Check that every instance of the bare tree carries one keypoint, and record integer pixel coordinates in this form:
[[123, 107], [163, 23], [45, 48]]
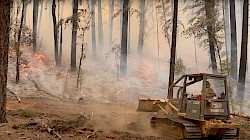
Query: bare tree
[[61, 33], [173, 50], [40, 18], [141, 28], [111, 12], [243, 56], [74, 35], [233, 40], [5, 7], [92, 3], [123, 59], [55, 31], [35, 15], [100, 26], [19, 42]]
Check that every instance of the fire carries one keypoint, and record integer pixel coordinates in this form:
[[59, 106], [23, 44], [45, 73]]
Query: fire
[[40, 57]]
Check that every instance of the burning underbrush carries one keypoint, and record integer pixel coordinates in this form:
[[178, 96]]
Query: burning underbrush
[[98, 81]]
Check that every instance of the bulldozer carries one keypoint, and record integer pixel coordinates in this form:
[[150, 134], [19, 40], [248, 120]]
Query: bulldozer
[[192, 113]]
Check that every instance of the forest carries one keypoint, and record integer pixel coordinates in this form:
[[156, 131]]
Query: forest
[[75, 69]]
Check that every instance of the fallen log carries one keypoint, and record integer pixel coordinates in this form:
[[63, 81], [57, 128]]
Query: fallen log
[[52, 132], [42, 90], [90, 135], [18, 98]]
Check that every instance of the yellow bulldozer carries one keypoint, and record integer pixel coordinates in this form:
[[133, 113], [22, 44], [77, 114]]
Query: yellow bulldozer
[[193, 113]]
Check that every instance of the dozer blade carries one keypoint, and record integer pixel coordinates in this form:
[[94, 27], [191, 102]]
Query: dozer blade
[[150, 104]]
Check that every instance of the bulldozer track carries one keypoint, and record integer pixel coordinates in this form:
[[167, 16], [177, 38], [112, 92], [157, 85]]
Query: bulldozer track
[[175, 128]]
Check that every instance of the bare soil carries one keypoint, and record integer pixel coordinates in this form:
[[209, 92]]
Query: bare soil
[[74, 120]]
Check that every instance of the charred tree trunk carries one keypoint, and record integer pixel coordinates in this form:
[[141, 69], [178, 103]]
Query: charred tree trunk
[[233, 40], [35, 15], [141, 28], [209, 8], [92, 3], [61, 35], [243, 56], [55, 31], [74, 35], [18, 45], [100, 26], [123, 59], [111, 12], [173, 50], [5, 7], [129, 28]]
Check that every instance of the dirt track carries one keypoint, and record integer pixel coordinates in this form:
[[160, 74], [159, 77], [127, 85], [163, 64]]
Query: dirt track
[[74, 120]]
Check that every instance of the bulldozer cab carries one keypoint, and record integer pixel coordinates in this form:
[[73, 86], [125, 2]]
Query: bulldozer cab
[[202, 96], [195, 96]]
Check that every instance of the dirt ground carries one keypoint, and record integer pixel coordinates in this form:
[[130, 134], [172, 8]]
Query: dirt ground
[[32, 118]]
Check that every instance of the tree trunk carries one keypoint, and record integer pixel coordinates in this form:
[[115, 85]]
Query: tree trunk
[[233, 40], [18, 46], [123, 59], [129, 29], [209, 8], [165, 21], [141, 28], [173, 50], [55, 32], [74, 36], [121, 15], [35, 15], [226, 29], [243, 56], [111, 12], [25, 13], [92, 3], [5, 7], [61, 34], [40, 18], [157, 35], [100, 26]]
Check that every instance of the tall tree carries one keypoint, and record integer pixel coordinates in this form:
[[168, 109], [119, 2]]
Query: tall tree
[[40, 18], [173, 50], [35, 15], [209, 9], [5, 6], [111, 12], [92, 3], [55, 31], [233, 40], [123, 59], [100, 26], [225, 7], [18, 53], [141, 28], [243, 56], [129, 28], [61, 33], [121, 15], [74, 35]]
